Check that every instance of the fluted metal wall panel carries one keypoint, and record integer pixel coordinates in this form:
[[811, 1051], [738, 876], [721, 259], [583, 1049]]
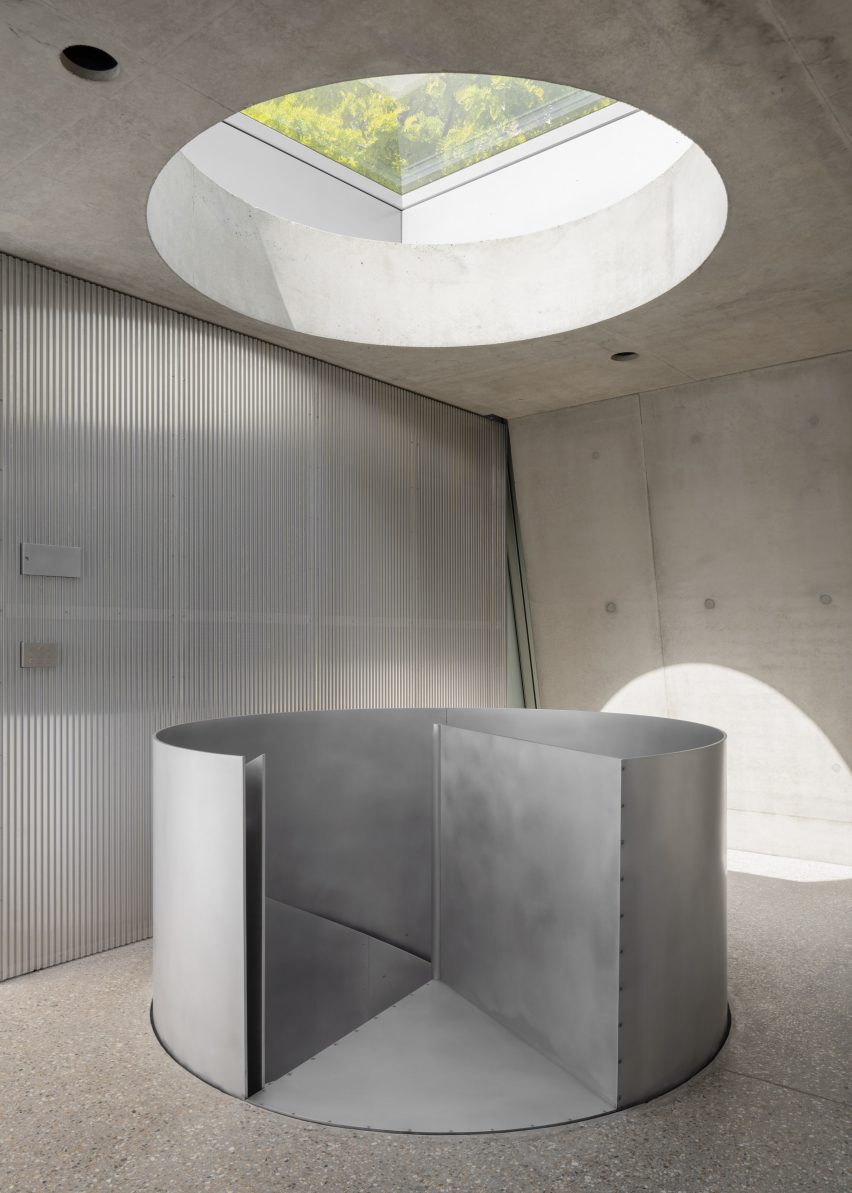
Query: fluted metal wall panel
[[260, 532]]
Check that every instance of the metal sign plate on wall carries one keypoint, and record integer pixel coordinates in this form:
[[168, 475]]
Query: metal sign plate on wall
[[42, 559], [39, 654]]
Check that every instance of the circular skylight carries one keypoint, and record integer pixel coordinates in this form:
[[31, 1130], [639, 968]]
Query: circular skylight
[[437, 209], [406, 131]]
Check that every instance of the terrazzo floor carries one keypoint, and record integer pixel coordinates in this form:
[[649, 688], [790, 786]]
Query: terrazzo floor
[[90, 1102]]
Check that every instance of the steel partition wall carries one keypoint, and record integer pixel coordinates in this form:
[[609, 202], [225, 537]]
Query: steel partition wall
[[259, 531], [344, 773], [529, 894]]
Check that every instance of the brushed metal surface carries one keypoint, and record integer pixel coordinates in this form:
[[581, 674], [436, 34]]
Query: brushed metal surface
[[673, 1007], [42, 559], [612, 735], [577, 899], [262, 532], [316, 985], [348, 812], [349, 820], [324, 980], [529, 894], [255, 929], [199, 978], [432, 1063], [393, 974]]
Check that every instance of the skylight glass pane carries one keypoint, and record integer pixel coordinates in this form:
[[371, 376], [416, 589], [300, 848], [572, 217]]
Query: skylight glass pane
[[404, 131]]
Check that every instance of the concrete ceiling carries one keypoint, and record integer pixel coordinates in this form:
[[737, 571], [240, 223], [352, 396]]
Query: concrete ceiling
[[764, 86]]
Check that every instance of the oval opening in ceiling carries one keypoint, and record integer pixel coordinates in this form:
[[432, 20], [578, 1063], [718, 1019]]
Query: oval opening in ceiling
[[437, 210]]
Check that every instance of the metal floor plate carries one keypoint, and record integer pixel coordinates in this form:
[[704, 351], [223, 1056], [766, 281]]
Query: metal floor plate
[[432, 1063]]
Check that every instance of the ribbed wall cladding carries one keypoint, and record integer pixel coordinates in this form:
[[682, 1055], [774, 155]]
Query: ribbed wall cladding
[[260, 532]]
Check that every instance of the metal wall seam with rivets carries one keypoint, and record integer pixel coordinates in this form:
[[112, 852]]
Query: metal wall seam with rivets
[[260, 531]]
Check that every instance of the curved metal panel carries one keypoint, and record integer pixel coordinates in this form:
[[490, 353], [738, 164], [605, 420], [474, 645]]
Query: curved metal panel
[[673, 1004], [612, 735], [199, 1003]]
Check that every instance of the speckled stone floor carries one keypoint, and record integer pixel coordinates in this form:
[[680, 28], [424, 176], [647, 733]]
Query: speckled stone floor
[[89, 1101]]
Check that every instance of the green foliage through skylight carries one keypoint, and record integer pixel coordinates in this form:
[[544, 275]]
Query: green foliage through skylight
[[404, 131]]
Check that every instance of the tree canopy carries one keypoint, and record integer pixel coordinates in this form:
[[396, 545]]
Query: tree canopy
[[406, 131]]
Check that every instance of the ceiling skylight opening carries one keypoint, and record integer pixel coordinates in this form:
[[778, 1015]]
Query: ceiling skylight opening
[[437, 210], [406, 131]]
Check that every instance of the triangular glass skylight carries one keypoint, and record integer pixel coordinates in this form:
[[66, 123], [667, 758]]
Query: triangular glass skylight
[[404, 131]]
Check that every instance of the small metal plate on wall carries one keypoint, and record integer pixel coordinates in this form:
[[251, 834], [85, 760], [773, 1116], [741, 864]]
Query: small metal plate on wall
[[39, 654], [42, 559]]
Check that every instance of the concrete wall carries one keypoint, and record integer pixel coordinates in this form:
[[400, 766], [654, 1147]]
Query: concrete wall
[[715, 521]]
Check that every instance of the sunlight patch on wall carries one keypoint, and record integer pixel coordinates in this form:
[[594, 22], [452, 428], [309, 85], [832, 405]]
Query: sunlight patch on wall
[[789, 788]]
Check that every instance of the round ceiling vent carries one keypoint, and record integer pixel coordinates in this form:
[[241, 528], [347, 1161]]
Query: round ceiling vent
[[89, 62]]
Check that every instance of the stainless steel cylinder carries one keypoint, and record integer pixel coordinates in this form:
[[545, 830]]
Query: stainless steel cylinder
[[537, 893]]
